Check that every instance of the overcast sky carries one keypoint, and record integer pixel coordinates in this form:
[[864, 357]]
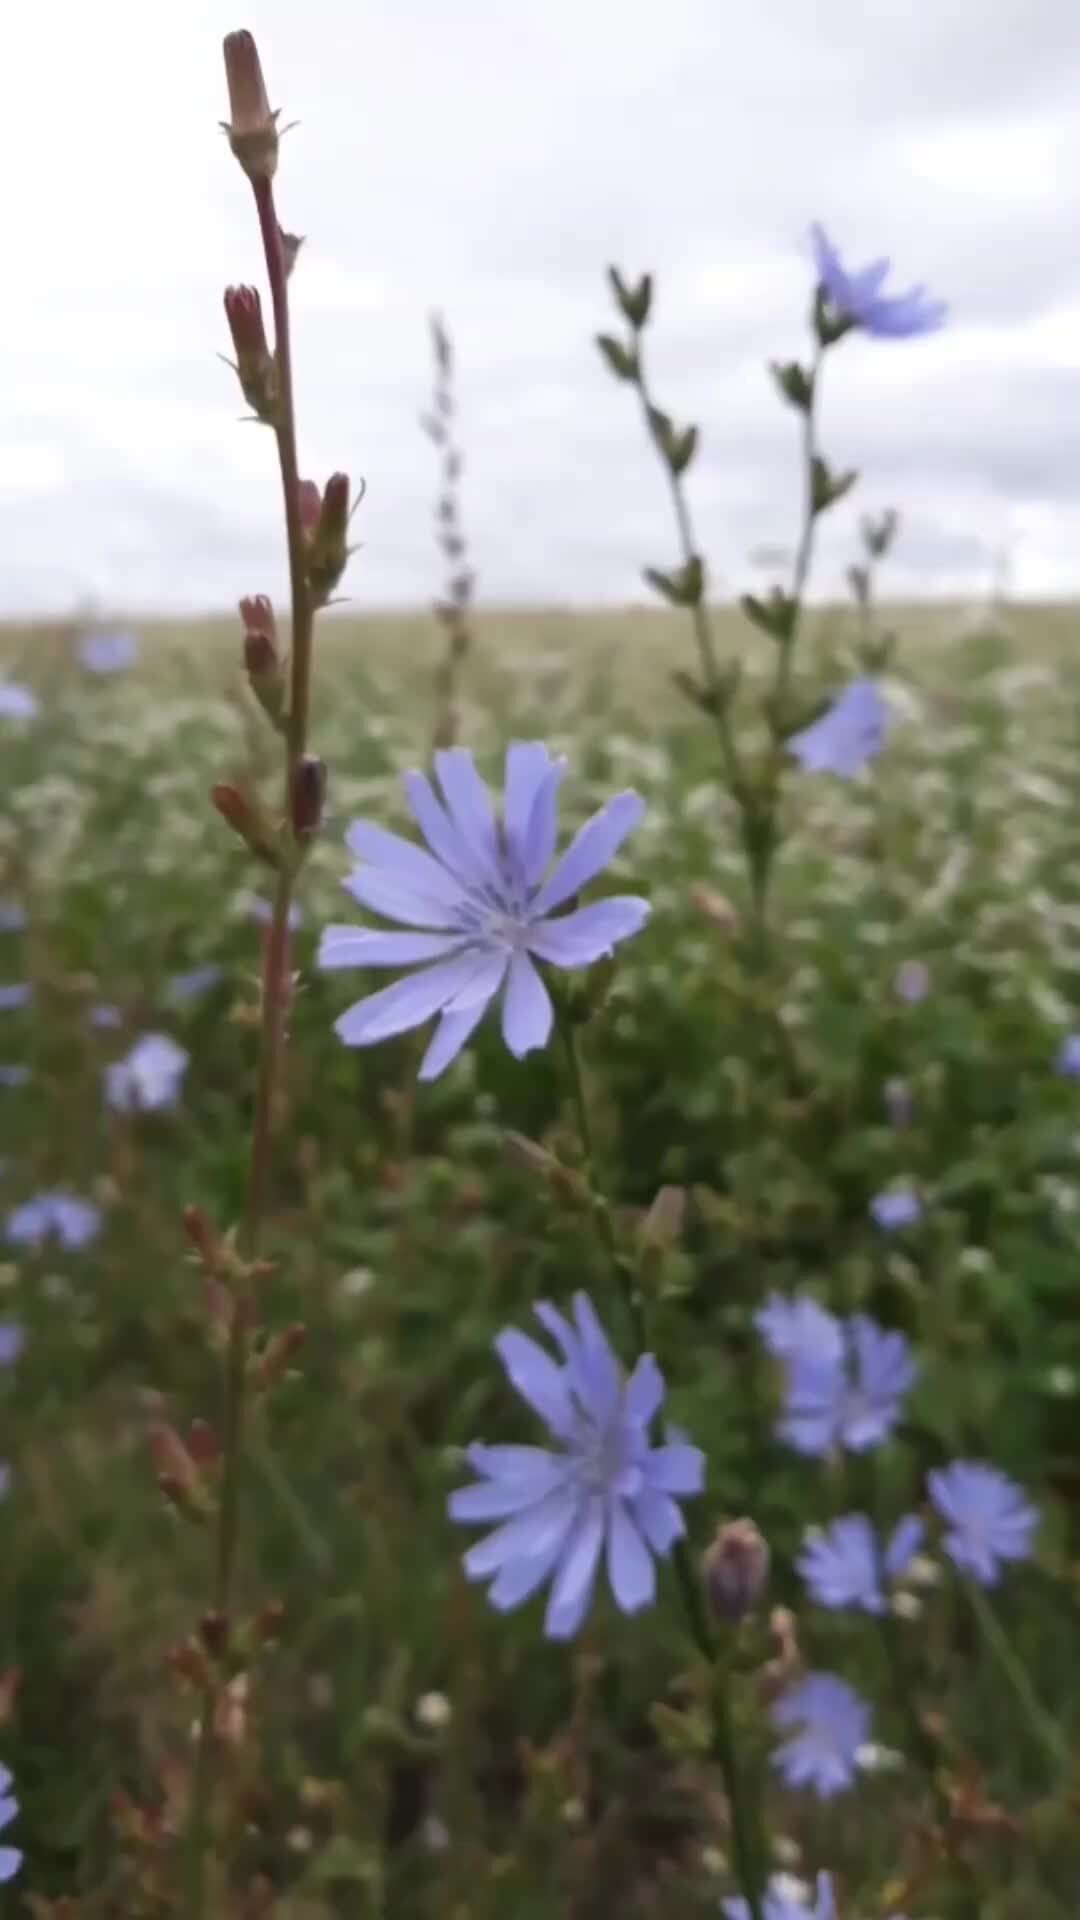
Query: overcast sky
[[489, 157]]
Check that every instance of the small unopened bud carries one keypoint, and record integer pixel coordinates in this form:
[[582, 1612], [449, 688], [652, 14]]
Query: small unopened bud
[[269, 1622], [716, 908], [202, 1236], [328, 553], [172, 1459], [534, 1158], [203, 1444], [735, 1569], [247, 819], [214, 1632], [291, 244], [251, 126], [277, 1354], [265, 672], [256, 366], [188, 1662], [307, 793], [310, 503], [663, 1223]]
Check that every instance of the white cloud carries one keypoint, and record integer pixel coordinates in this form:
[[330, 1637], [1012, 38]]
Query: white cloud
[[490, 160]]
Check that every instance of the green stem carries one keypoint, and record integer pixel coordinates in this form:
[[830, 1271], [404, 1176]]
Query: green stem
[[747, 1846], [1040, 1722], [273, 1012]]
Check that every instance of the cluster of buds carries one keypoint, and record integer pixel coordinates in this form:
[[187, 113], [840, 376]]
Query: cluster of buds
[[265, 669], [255, 366], [325, 520]]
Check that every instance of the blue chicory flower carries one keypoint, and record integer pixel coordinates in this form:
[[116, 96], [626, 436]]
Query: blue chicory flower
[[778, 1906], [16, 701], [799, 1329], [105, 1017], [853, 1402], [108, 652], [11, 1858], [75, 1223], [17, 994], [188, 986], [844, 1565], [12, 916], [486, 909], [989, 1518], [12, 1342], [147, 1079], [912, 982], [1068, 1059], [13, 1076], [858, 297], [896, 1207], [602, 1486], [832, 1722], [848, 734]]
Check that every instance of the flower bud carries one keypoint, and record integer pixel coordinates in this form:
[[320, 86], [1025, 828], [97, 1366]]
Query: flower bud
[[266, 675], [735, 1569], [256, 366], [328, 552], [251, 126], [276, 1356], [307, 792], [247, 819]]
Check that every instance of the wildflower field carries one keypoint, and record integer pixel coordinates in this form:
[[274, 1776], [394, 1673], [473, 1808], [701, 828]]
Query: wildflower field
[[539, 1187]]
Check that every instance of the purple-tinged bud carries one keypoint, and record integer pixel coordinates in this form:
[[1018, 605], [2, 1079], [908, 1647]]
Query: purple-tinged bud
[[278, 1354], [246, 818], [309, 500], [214, 1632], [328, 552], [256, 366], [266, 675], [252, 125], [735, 1569], [307, 792]]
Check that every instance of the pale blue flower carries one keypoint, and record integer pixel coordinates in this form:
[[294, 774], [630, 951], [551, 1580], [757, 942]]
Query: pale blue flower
[[148, 1079], [73, 1222], [188, 986], [989, 1518], [12, 1342], [17, 994], [797, 1328], [898, 1102], [13, 1076], [1068, 1060], [12, 916], [108, 652], [854, 1402], [858, 296], [848, 734], [16, 701], [896, 1207], [832, 1722], [779, 1906], [105, 1017], [602, 1487], [844, 1565], [485, 908], [11, 1858], [912, 982]]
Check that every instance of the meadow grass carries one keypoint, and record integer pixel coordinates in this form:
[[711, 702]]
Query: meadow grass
[[396, 1748]]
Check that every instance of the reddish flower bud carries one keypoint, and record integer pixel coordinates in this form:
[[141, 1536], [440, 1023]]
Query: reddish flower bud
[[310, 502], [203, 1444], [277, 1354], [188, 1663], [329, 550], [251, 126], [736, 1568], [306, 796], [214, 1633], [256, 366], [247, 819], [265, 673], [201, 1235]]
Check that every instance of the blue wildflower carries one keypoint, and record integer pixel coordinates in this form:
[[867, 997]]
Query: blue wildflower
[[105, 1017], [148, 1078], [14, 1076], [858, 297], [10, 1857], [898, 1101], [486, 909], [603, 1486], [1068, 1060], [854, 1402], [844, 1565], [779, 1906], [17, 994], [799, 1329], [912, 982], [832, 1722], [12, 916], [989, 1518], [16, 702], [12, 1342], [848, 734], [108, 652], [896, 1207], [75, 1223], [188, 986]]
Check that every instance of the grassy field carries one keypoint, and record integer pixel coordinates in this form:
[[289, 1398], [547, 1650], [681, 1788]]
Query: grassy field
[[392, 1746]]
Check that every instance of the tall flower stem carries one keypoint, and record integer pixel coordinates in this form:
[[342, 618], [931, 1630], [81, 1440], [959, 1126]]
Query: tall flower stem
[[747, 1844], [276, 992], [1042, 1725]]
